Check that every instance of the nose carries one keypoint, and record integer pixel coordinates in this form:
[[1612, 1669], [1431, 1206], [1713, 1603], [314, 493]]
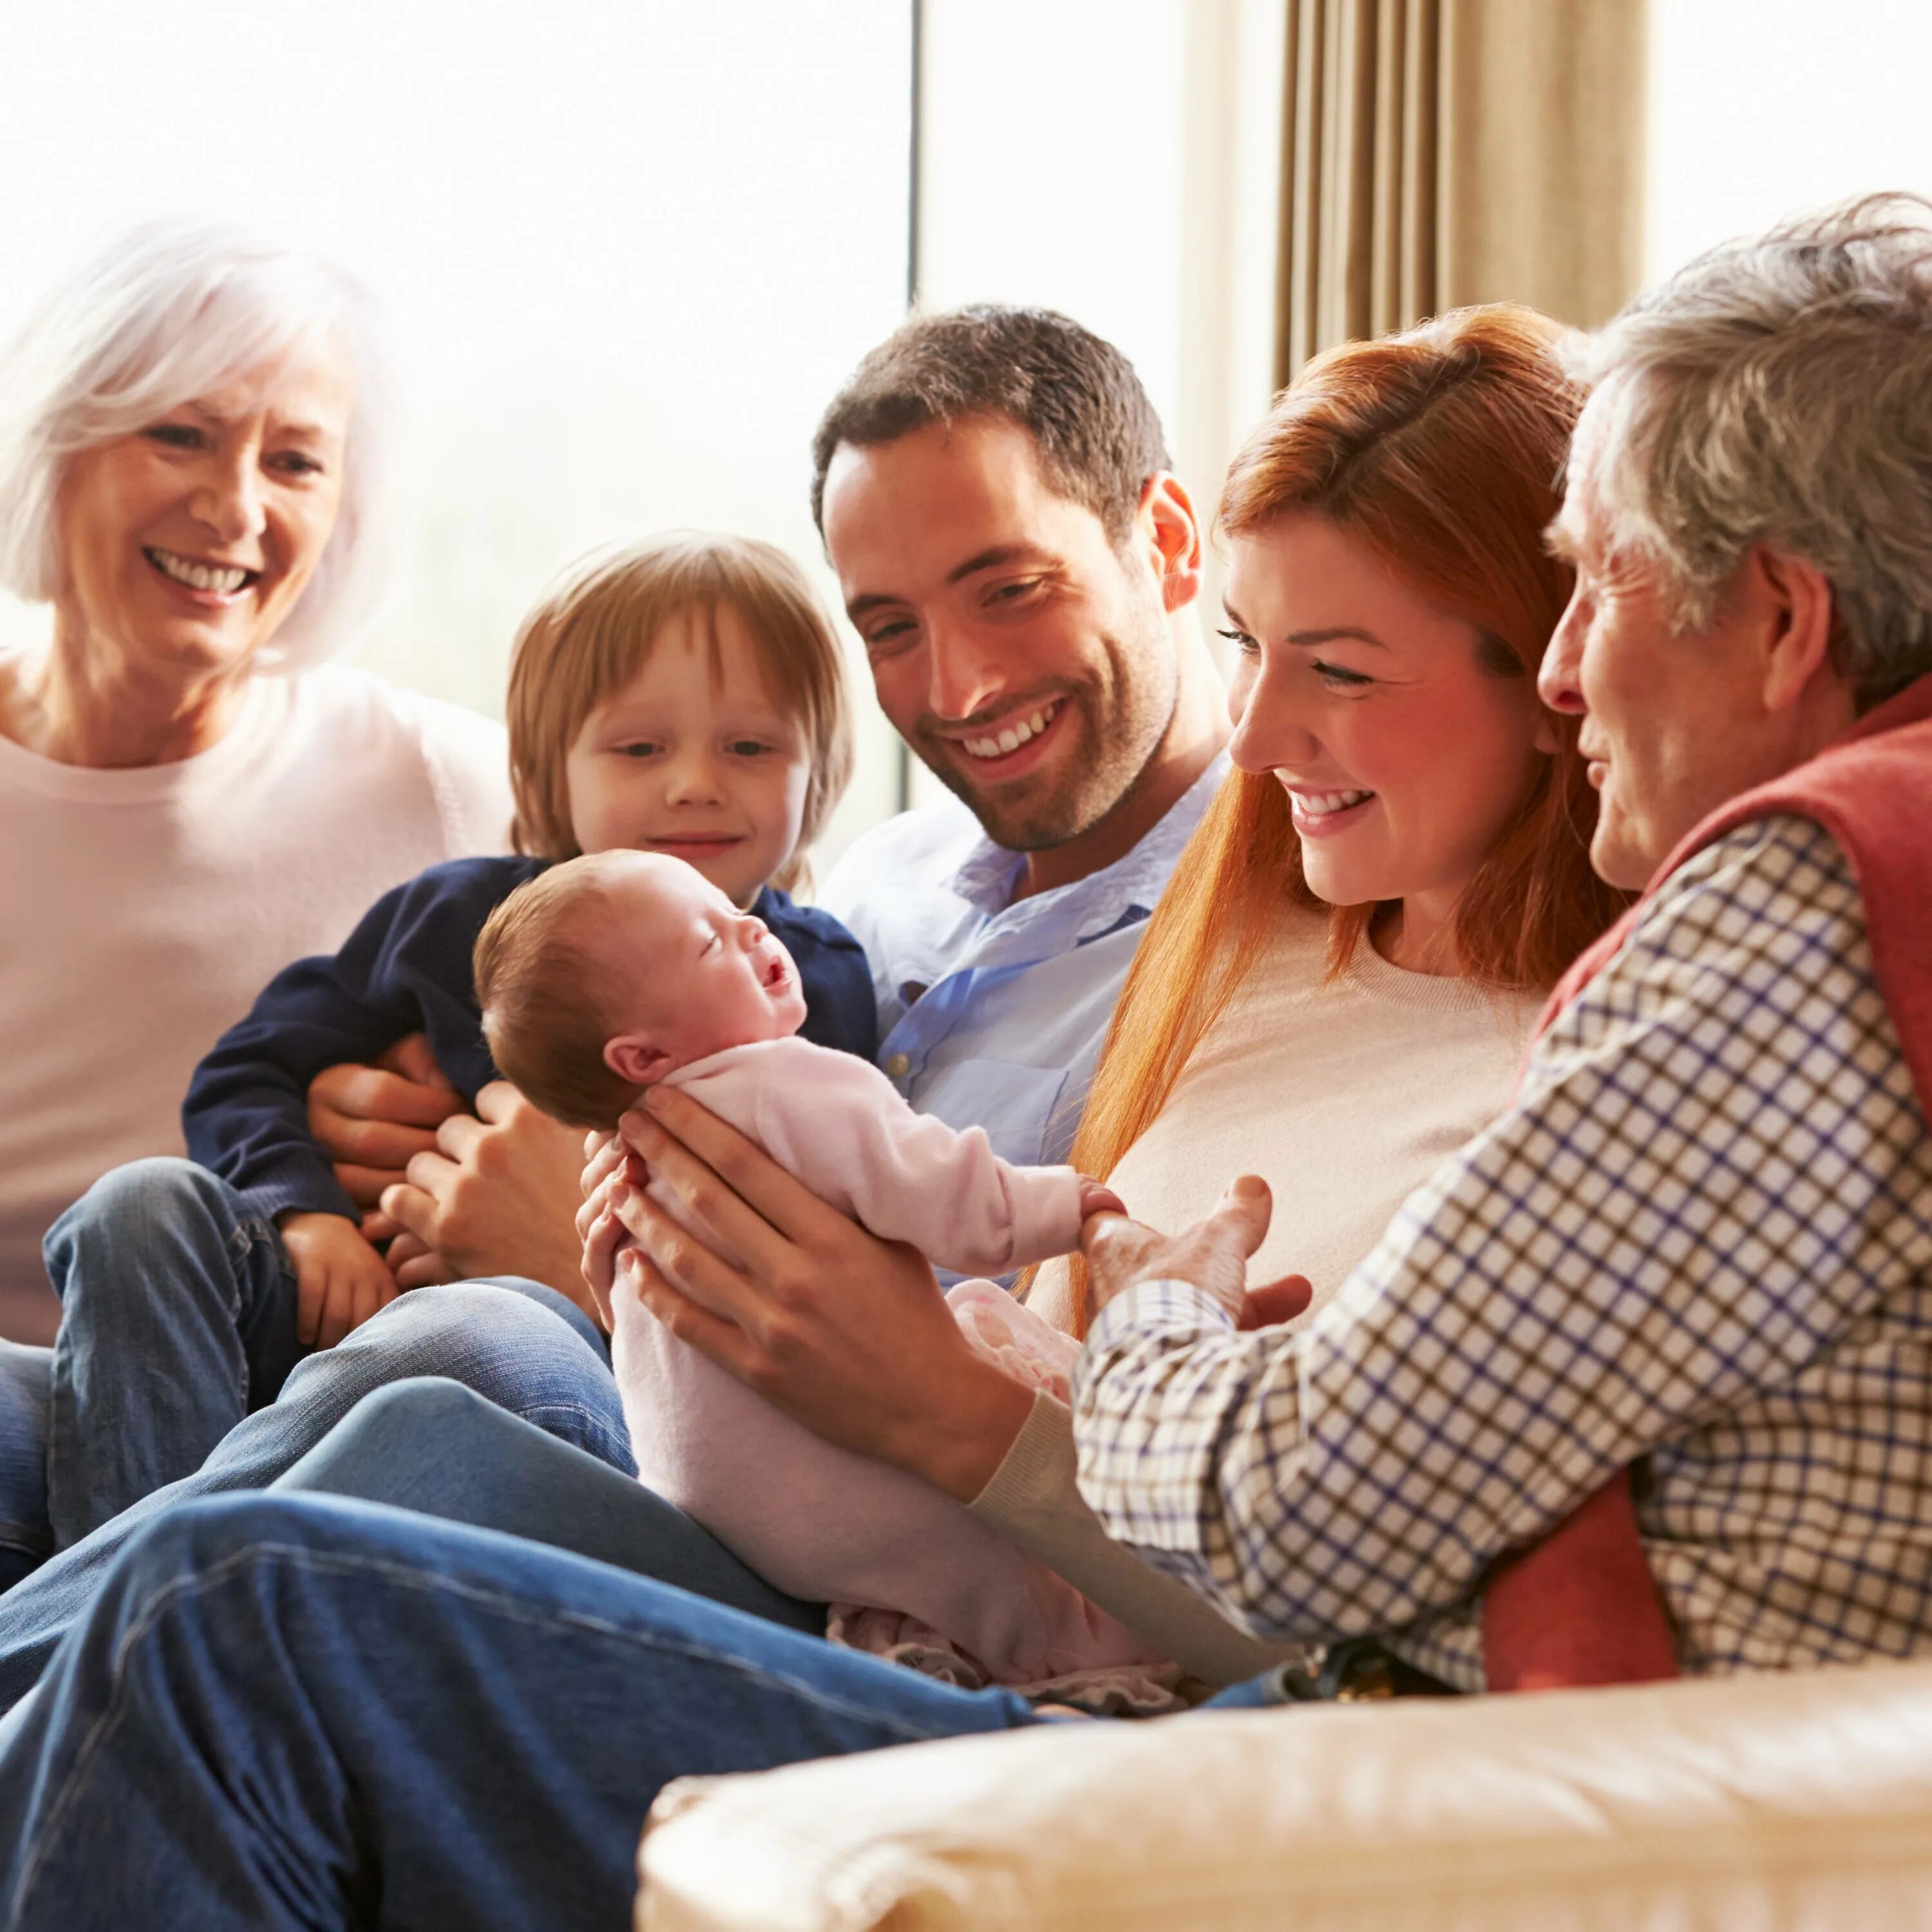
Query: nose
[[966, 671], [227, 498], [1558, 682], [690, 777], [1270, 730], [751, 930]]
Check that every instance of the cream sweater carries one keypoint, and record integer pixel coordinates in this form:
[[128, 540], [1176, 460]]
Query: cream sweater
[[1342, 1095], [141, 911]]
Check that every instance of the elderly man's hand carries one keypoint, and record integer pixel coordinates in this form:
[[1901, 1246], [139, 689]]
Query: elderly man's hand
[[1212, 1256], [497, 1193]]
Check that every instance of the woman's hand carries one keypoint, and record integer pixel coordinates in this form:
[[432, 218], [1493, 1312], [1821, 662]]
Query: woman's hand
[[372, 1121], [848, 1334], [1212, 1255], [495, 1193]]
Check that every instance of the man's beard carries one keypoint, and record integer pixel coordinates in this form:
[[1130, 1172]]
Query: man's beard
[[1117, 725]]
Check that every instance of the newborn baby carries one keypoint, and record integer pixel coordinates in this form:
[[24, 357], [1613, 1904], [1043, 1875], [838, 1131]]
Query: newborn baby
[[607, 974]]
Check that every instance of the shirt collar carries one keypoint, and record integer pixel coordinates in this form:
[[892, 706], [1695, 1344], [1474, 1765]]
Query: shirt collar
[[1132, 883]]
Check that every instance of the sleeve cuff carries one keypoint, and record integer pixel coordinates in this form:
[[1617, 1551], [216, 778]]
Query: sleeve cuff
[[300, 1189], [1036, 1461], [1046, 1213], [1174, 1308]]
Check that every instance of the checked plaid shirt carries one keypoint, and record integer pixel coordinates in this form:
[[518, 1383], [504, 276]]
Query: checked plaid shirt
[[1700, 1242]]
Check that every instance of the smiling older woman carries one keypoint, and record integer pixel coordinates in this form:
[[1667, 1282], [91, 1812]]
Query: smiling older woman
[[190, 796]]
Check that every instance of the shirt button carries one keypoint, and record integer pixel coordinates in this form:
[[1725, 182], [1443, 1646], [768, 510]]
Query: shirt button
[[899, 1066]]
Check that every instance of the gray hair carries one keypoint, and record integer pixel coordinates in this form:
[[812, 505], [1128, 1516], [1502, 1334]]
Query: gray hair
[[168, 312], [1778, 391]]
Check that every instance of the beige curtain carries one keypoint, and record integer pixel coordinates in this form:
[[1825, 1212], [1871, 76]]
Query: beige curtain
[[1437, 152]]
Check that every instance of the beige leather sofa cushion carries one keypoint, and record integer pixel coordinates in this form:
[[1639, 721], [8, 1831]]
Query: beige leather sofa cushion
[[1798, 1803]]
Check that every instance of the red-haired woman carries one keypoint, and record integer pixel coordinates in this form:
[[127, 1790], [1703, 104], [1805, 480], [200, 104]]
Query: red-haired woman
[[1337, 988]]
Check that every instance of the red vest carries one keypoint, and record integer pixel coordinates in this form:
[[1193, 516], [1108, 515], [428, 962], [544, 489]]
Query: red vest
[[1581, 1606]]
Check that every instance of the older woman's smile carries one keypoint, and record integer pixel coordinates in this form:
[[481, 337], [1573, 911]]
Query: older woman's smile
[[219, 581]]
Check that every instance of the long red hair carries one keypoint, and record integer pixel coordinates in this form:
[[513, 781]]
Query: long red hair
[[1441, 450]]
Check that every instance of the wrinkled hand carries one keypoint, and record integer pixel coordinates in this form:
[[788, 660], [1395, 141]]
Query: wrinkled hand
[[372, 1121], [495, 1193], [846, 1333], [340, 1280], [1211, 1255]]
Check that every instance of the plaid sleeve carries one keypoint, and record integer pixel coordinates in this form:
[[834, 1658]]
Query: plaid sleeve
[[1698, 1191]]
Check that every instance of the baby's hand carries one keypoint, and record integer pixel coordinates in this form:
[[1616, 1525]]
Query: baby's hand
[[340, 1280], [1096, 1199]]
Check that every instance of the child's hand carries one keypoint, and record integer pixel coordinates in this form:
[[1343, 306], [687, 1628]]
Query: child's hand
[[1096, 1199], [340, 1280]]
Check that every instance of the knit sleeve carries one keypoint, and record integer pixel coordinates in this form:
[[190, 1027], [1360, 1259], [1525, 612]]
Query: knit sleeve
[[405, 968]]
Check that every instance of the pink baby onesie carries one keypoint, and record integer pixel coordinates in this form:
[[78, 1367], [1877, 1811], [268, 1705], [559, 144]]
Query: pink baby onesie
[[820, 1522]]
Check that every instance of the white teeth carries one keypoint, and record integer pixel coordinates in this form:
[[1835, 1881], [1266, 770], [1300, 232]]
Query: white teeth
[[199, 576], [1012, 737], [1321, 804]]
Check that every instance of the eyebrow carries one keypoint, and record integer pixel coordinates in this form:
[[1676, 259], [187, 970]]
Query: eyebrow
[[994, 558], [311, 432], [1333, 634]]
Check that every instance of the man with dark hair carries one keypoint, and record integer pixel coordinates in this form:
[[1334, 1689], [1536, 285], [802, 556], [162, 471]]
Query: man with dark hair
[[993, 487]]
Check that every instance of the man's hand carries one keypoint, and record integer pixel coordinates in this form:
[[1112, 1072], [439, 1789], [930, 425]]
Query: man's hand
[[340, 1280], [496, 1192], [372, 1121], [1212, 1255]]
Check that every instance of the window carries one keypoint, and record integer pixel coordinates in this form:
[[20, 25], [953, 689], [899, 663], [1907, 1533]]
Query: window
[[1760, 108], [628, 249]]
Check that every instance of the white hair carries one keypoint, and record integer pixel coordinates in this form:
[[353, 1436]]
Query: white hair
[[1778, 391], [168, 312]]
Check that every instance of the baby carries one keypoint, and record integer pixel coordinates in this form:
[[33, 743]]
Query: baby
[[609, 973]]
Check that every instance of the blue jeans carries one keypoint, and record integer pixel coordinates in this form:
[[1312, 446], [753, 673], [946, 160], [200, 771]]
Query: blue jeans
[[178, 1318], [295, 1710], [522, 1346], [26, 1413], [442, 1450]]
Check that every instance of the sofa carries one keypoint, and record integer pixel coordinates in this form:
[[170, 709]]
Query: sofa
[[1798, 1803]]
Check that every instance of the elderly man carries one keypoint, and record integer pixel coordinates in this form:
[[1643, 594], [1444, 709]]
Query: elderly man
[[1700, 1242]]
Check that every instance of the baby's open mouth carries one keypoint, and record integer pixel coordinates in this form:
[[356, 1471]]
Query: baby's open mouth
[[223, 579]]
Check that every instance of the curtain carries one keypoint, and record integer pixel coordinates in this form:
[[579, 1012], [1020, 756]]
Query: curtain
[[1438, 152]]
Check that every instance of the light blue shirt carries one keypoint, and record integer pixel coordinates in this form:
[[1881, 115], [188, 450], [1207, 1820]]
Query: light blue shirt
[[992, 1012]]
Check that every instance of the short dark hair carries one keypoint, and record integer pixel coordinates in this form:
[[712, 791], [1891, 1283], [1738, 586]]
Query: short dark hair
[[1076, 396]]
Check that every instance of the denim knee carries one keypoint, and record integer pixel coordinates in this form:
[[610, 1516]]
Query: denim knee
[[131, 1205], [198, 1533], [503, 1346], [429, 1406]]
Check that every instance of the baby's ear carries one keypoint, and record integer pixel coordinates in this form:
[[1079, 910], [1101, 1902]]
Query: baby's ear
[[633, 1057]]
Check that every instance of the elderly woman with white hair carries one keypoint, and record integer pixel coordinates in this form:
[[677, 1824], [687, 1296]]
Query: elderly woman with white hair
[[192, 795]]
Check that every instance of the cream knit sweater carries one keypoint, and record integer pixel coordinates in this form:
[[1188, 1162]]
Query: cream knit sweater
[[1342, 1095]]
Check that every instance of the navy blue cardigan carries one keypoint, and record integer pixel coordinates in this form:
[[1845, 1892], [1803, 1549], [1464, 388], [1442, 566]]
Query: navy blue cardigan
[[406, 969]]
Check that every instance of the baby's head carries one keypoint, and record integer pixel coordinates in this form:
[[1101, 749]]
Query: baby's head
[[685, 696], [602, 975]]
